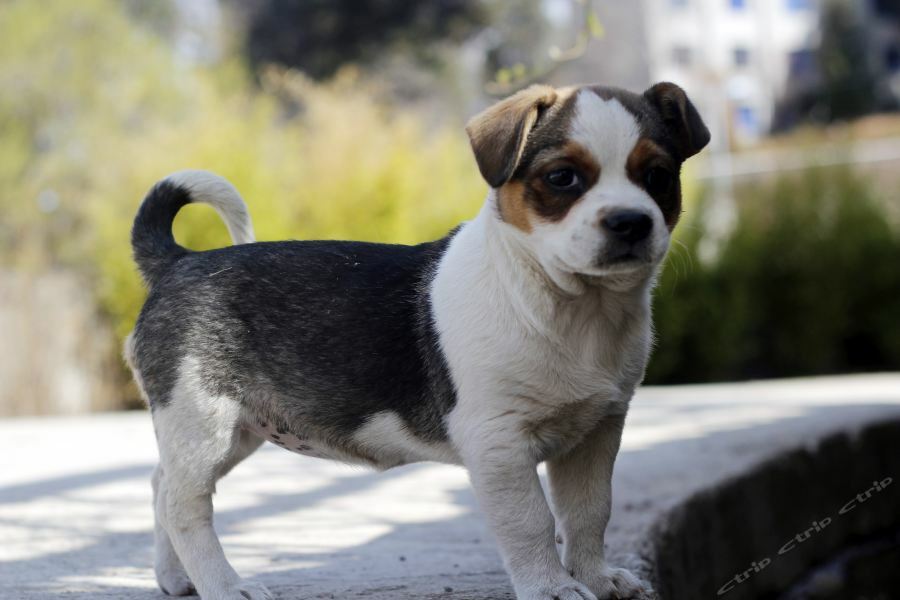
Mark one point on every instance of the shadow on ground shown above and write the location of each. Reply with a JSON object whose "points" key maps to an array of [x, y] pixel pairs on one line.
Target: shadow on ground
{"points": [[454, 558]]}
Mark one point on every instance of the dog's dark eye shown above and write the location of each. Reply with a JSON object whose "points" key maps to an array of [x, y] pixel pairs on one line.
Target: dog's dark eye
{"points": [[658, 180], [563, 179]]}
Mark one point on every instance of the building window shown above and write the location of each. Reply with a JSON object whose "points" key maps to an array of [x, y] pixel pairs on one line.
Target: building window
{"points": [[892, 59], [746, 119], [738, 4], [802, 63], [741, 57], [886, 8], [682, 56], [799, 5]]}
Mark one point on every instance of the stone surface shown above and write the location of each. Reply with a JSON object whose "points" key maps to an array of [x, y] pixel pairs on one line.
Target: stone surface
{"points": [[710, 477]]}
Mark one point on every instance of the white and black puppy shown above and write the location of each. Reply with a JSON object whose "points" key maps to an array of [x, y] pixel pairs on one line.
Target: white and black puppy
{"points": [[517, 339]]}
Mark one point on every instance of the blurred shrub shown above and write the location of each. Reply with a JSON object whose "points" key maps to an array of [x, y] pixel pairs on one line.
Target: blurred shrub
{"points": [[96, 109], [338, 32], [808, 282]]}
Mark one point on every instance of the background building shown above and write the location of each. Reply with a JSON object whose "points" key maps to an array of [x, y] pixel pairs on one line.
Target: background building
{"points": [[752, 66], [280, 97], [735, 55]]}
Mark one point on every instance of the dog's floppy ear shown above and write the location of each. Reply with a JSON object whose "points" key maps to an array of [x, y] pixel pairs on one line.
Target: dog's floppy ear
{"points": [[498, 134], [680, 117]]}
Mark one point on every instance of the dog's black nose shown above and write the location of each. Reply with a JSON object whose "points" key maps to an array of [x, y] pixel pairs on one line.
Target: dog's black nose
{"points": [[628, 225]]}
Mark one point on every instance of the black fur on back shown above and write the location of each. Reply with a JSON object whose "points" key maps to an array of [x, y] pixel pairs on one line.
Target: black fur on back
{"points": [[317, 335]]}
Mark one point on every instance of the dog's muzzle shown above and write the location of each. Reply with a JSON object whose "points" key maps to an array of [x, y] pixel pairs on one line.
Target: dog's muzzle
{"points": [[628, 235]]}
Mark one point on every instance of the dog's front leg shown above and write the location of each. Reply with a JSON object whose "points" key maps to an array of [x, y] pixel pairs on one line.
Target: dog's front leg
{"points": [[581, 485], [508, 489]]}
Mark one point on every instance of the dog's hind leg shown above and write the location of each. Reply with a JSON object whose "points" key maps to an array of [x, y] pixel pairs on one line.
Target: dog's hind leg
{"points": [[199, 440], [170, 573]]}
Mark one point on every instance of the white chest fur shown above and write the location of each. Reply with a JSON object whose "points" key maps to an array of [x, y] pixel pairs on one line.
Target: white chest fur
{"points": [[526, 356]]}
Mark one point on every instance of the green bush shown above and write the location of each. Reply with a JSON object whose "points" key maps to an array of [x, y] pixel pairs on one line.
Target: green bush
{"points": [[808, 282], [97, 108]]}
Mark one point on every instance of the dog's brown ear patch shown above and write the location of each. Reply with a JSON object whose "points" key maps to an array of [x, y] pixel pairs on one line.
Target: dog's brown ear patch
{"points": [[680, 118], [498, 134]]}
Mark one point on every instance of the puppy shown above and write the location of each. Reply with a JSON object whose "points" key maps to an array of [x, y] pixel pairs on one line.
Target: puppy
{"points": [[517, 339]]}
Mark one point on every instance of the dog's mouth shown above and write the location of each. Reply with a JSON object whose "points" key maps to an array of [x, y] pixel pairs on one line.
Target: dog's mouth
{"points": [[624, 257], [627, 265], [620, 269], [625, 261]]}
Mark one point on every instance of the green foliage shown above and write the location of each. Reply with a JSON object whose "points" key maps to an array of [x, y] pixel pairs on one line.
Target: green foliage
{"points": [[807, 283], [96, 109], [848, 81], [319, 37], [99, 109]]}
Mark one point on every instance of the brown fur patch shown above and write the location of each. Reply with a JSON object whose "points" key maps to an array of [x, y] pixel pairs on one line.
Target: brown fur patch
{"points": [[645, 156], [552, 204], [528, 197], [584, 160], [513, 207], [499, 134]]}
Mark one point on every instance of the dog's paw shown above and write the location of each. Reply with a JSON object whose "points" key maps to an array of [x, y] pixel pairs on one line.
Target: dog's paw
{"points": [[565, 589], [253, 591], [242, 590], [610, 583], [173, 580]]}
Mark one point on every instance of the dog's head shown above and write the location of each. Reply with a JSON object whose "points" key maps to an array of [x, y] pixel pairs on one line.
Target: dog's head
{"points": [[588, 177]]}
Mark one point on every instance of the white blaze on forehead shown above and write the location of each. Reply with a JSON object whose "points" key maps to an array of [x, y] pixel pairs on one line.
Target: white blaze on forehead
{"points": [[577, 243], [606, 129]]}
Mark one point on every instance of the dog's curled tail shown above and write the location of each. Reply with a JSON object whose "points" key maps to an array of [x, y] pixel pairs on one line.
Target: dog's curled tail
{"points": [[152, 241]]}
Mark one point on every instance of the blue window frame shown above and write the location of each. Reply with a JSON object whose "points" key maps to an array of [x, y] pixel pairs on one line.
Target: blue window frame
{"points": [[802, 62], [738, 4], [799, 5], [746, 119], [682, 56], [892, 59]]}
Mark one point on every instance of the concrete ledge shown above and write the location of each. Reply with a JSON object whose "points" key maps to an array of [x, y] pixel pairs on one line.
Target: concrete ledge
{"points": [[710, 479], [759, 534]]}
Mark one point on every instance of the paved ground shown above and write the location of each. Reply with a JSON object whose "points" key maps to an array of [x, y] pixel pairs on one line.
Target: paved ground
{"points": [[75, 518]]}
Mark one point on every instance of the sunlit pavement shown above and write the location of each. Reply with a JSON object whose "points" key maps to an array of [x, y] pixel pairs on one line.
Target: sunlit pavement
{"points": [[75, 516]]}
